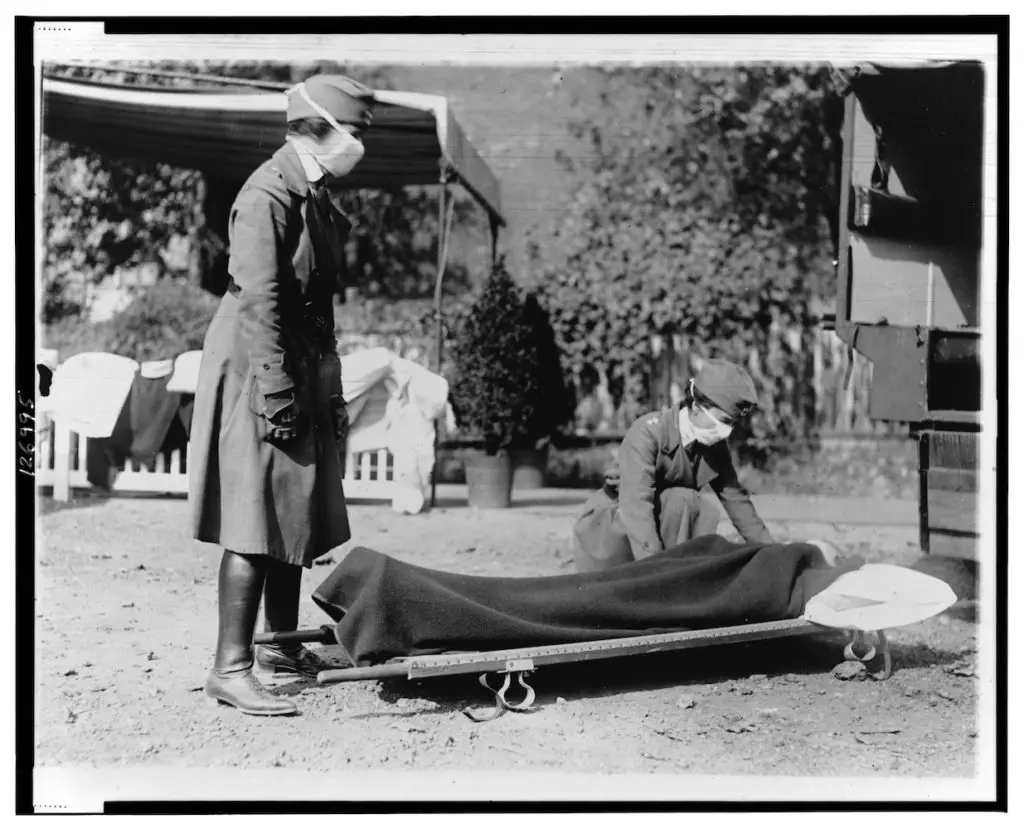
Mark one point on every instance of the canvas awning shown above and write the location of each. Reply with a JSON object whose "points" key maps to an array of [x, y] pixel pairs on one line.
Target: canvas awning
{"points": [[233, 132]]}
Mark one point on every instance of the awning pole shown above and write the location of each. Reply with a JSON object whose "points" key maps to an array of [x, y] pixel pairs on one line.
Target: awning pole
{"points": [[442, 255], [494, 238]]}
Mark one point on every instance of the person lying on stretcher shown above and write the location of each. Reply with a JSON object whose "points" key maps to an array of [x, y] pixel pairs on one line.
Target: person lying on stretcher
{"points": [[651, 500]]}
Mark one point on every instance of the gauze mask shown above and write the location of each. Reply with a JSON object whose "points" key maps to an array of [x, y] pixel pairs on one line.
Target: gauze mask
{"points": [[708, 435], [342, 151]]}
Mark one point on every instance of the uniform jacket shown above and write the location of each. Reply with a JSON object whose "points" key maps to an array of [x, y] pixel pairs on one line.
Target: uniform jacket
{"points": [[652, 458], [273, 332]]}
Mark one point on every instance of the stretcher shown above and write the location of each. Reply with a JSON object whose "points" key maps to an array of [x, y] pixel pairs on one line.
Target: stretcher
{"points": [[514, 665], [863, 603]]}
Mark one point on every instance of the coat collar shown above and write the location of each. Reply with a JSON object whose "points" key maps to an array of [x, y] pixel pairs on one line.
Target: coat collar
{"points": [[286, 161], [671, 441]]}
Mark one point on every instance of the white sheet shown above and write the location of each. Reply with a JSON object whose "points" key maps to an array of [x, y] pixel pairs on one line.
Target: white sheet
{"points": [[89, 390], [362, 370], [186, 373]]}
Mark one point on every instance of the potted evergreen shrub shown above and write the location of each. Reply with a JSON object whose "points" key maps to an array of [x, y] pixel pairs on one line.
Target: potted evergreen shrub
{"points": [[530, 456], [498, 390]]}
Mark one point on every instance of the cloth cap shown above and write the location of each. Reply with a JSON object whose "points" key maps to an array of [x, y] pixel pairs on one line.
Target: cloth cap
{"points": [[727, 386], [347, 101]]}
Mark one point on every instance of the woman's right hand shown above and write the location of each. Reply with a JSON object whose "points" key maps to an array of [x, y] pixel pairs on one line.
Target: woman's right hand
{"points": [[832, 554], [284, 420]]}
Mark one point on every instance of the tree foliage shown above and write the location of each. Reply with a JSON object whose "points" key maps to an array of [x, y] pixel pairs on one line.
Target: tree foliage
{"points": [[703, 210], [159, 323], [105, 216], [505, 389], [162, 322]]}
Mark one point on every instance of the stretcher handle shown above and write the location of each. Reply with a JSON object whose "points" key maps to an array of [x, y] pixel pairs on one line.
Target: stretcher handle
{"points": [[384, 671], [323, 634]]}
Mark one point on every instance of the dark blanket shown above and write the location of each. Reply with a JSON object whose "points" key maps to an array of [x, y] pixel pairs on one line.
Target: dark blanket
{"points": [[386, 608], [144, 422], [153, 421]]}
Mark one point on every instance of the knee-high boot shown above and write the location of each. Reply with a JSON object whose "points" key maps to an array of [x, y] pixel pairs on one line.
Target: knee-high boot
{"points": [[282, 592], [239, 587]]}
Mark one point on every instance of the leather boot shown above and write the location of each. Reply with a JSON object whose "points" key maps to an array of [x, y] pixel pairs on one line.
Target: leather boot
{"points": [[240, 584], [282, 592]]}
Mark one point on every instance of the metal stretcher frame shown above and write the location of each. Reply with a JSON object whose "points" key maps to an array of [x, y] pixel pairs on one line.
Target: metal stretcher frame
{"points": [[518, 663]]}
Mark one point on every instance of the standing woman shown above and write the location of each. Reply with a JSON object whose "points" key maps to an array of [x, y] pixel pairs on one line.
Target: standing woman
{"points": [[651, 500], [270, 424]]}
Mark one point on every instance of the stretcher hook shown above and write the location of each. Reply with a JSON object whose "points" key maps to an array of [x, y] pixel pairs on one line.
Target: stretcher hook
{"points": [[498, 692], [502, 692], [886, 671], [858, 639], [501, 703], [499, 700], [528, 700], [499, 707]]}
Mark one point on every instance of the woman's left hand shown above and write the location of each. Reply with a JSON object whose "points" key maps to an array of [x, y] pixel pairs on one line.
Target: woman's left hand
{"points": [[339, 413]]}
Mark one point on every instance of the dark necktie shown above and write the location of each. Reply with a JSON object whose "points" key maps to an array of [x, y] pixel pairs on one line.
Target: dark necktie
{"points": [[321, 199], [319, 224]]}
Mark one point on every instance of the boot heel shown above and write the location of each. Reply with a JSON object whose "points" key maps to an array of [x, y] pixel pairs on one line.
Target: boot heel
{"points": [[211, 702], [244, 692]]}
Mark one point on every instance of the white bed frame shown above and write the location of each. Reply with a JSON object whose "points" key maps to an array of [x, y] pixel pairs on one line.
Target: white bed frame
{"points": [[369, 474]]}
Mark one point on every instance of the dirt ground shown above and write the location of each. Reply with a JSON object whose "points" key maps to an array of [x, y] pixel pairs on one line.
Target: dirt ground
{"points": [[125, 628]]}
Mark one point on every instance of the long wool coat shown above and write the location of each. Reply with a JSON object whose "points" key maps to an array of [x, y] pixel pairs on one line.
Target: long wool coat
{"points": [[274, 331], [623, 518]]}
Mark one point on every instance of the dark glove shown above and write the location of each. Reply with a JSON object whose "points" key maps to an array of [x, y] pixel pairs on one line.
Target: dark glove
{"points": [[339, 413], [283, 418]]}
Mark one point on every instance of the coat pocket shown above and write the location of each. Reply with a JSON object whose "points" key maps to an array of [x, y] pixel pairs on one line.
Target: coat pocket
{"points": [[299, 396], [257, 407]]}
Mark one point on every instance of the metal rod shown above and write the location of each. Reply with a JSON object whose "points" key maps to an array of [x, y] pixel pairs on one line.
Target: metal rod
{"points": [[323, 634], [439, 275], [430, 666], [359, 674], [923, 464], [495, 227], [442, 253], [168, 73]]}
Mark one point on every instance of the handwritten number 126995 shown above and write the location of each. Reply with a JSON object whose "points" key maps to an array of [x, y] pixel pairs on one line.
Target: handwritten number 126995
{"points": [[26, 435]]}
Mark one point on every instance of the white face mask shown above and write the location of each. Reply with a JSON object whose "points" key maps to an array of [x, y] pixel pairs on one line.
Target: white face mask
{"points": [[709, 435], [339, 153], [342, 153]]}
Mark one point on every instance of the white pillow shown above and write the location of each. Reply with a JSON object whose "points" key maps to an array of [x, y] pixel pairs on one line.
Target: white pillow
{"points": [[879, 596]]}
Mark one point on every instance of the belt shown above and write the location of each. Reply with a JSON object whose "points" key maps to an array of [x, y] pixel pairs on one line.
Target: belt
{"points": [[319, 323]]}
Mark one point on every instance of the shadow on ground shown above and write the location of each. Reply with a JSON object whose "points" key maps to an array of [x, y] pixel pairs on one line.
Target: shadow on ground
{"points": [[518, 502], [96, 498], [48, 506], [567, 500], [965, 611], [789, 660]]}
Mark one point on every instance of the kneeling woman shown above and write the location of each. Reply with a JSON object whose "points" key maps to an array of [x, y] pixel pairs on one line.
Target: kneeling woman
{"points": [[651, 499]]}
